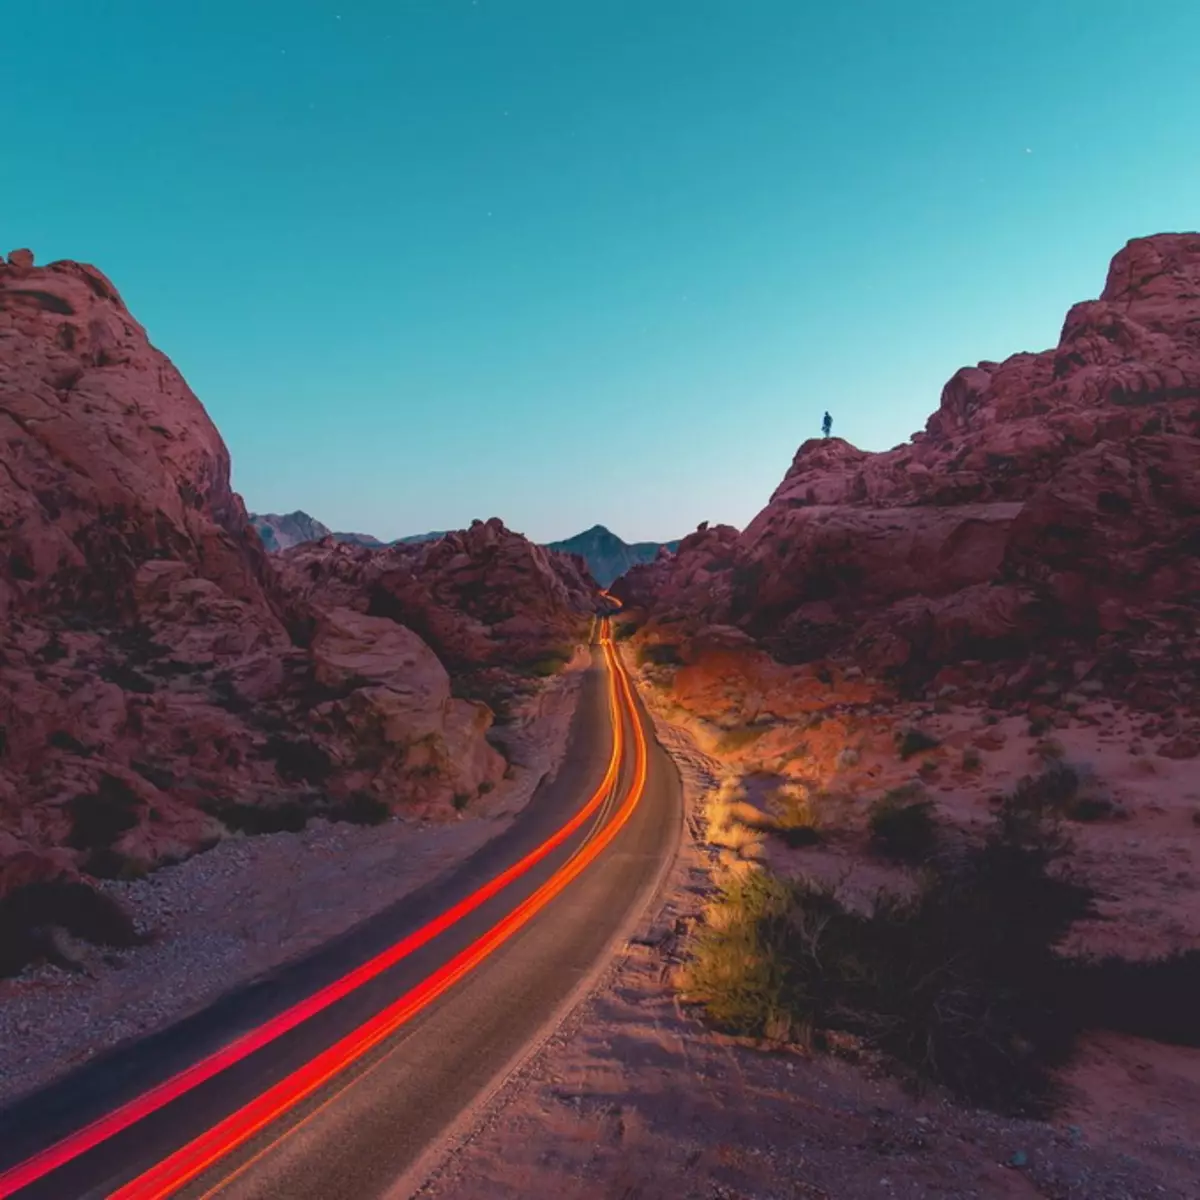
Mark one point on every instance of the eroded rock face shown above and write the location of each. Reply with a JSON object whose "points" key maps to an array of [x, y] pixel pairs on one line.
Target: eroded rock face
{"points": [[1050, 505], [481, 597], [157, 682]]}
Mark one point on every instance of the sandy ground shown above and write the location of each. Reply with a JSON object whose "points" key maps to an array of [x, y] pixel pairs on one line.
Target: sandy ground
{"points": [[251, 903], [633, 1099]]}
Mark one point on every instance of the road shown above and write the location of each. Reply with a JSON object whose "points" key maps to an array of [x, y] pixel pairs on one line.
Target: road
{"points": [[334, 1076]]}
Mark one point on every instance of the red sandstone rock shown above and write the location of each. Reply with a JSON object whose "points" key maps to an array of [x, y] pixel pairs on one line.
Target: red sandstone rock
{"points": [[1052, 499], [481, 597], [149, 686]]}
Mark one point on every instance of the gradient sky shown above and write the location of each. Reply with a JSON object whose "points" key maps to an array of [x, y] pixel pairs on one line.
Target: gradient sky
{"points": [[567, 262]]}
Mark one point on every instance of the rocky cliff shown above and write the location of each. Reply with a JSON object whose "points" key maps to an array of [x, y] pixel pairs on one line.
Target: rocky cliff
{"points": [[1049, 511], [159, 684]]}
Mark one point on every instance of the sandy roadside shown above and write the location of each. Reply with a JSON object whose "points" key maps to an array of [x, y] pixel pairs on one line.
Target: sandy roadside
{"points": [[633, 1099], [252, 903]]}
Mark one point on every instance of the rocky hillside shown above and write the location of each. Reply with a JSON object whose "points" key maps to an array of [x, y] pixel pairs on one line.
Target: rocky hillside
{"points": [[160, 685], [491, 603], [606, 555], [1049, 516]]}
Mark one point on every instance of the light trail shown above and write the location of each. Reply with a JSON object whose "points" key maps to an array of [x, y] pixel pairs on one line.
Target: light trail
{"points": [[203, 1152], [126, 1115]]}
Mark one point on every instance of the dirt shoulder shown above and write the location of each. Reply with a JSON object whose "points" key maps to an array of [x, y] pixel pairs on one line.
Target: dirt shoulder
{"points": [[634, 1098], [252, 903]]}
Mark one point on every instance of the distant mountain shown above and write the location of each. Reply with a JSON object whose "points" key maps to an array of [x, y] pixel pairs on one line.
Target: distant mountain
{"points": [[282, 532], [607, 556], [278, 532]]}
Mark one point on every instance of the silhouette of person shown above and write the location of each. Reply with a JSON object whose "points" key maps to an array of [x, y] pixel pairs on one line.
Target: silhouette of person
{"points": [[826, 425]]}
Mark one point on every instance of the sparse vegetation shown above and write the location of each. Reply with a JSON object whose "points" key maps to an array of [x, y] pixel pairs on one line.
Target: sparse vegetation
{"points": [[30, 912], [288, 816], [958, 985], [739, 738], [902, 824], [914, 741], [298, 760], [361, 808], [659, 654], [98, 818], [972, 760], [1064, 791], [460, 801]]}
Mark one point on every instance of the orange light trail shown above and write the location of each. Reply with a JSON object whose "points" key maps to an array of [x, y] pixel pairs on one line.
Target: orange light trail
{"points": [[203, 1152], [128, 1114]]}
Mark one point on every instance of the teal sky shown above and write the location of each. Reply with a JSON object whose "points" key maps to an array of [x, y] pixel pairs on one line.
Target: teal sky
{"points": [[568, 263]]}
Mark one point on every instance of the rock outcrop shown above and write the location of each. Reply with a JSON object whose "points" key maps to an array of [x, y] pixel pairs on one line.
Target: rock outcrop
{"points": [[1051, 507], [158, 683], [482, 597]]}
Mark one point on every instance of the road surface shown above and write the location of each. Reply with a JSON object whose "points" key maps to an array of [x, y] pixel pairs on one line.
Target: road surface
{"points": [[331, 1077]]}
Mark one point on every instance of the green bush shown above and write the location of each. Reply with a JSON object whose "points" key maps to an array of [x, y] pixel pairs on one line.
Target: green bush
{"points": [[959, 985], [902, 824], [361, 808], [659, 654], [914, 741]]}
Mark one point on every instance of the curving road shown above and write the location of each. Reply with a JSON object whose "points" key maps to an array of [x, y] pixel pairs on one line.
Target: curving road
{"points": [[333, 1076]]}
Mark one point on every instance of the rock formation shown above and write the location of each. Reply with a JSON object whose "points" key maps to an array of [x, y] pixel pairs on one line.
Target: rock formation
{"points": [[483, 598], [158, 683], [1051, 508]]}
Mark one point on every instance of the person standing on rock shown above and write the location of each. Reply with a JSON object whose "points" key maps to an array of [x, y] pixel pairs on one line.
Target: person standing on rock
{"points": [[826, 425]]}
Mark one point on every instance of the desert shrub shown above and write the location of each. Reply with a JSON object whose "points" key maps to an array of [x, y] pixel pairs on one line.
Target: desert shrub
{"points": [[902, 824], [486, 786], [1038, 726], [972, 760], [914, 741], [659, 654], [361, 808], [928, 769], [107, 863], [60, 739], [739, 738], [98, 818], [126, 677], [53, 650], [27, 913], [552, 664], [1062, 790], [959, 985], [624, 630], [288, 816], [298, 760], [797, 824], [460, 801]]}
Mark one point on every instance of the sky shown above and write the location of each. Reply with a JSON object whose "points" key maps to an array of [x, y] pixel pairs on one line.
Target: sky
{"points": [[570, 262]]}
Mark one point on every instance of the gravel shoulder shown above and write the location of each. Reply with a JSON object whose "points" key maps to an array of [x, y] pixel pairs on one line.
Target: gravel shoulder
{"points": [[249, 905]]}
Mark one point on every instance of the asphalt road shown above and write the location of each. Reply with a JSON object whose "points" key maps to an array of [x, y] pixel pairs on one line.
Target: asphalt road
{"points": [[363, 1126]]}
